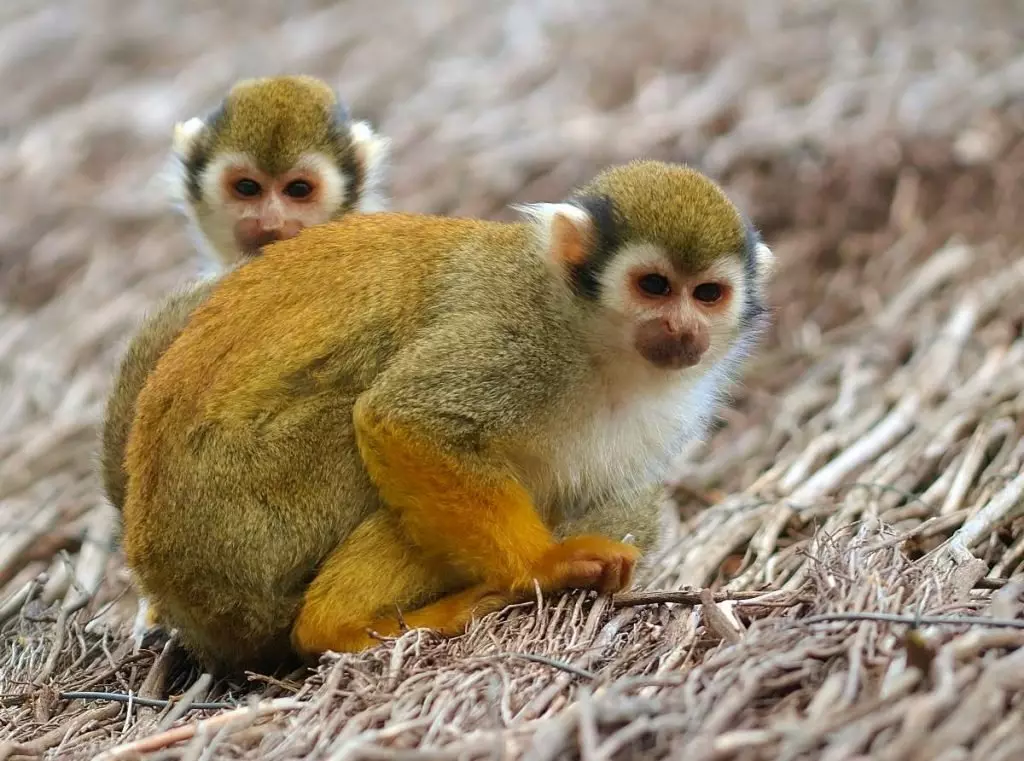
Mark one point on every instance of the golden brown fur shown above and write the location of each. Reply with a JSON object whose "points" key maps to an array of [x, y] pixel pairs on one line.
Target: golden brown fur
{"points": [[376, 413], [151, 340], [290, 127]]}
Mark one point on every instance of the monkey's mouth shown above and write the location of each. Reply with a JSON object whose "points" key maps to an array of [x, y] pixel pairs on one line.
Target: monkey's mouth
{"points": [[669, 351], [252, 245], [672, 356]]}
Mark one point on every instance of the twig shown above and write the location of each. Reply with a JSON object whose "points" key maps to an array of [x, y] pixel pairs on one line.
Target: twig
{"points": [[181, 705], [557, 664], [716, 620], [187, 731], [999, 509], [121, 697], [685, 597], [60, 631], [55, 736], [882, 436], [897, 618]]}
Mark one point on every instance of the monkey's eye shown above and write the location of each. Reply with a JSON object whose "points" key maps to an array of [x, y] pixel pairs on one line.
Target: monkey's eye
{"points": [[654, 284], [708, 293], [298, 189], [247, 188]]}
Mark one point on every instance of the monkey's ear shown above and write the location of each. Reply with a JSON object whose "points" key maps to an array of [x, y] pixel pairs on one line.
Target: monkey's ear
{"points": [[764, 260], [373, 149], [186, 134], [374, 153], [567, 232]]}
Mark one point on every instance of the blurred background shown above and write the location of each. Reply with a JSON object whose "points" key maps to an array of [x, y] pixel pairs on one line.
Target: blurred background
{"points": [[860, 135]]}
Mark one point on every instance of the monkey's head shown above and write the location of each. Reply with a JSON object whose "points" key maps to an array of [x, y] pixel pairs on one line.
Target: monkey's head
{"points": [[277, 155], [664, 267]]}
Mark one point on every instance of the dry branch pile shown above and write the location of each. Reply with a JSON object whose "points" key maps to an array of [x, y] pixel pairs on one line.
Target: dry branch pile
{"points": [[871, 464]]}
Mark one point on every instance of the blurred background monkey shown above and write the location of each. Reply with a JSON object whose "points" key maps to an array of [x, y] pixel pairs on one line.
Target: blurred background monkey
{"points": [[278, 154]]}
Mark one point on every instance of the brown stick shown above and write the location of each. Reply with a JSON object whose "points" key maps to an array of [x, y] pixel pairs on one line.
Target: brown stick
{"points": [[1014, 623], [686, 597], [188, 731]]}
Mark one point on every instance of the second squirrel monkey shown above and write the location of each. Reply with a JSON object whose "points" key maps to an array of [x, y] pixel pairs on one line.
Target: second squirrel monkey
{"points": [[277, 155], [287, 135], [410, 413]]}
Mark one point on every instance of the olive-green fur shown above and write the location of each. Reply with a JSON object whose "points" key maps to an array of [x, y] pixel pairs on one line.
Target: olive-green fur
{"points": [[154, 336], [275, 120], [675, 208], [303, 121]]}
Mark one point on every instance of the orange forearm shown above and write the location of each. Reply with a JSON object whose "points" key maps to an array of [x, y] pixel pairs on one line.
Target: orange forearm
{"points": [[484, 525]]}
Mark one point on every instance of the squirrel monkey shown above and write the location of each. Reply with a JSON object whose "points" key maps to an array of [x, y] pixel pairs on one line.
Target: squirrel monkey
{"points": [[285, 136], [399, 418], [278, 154]]}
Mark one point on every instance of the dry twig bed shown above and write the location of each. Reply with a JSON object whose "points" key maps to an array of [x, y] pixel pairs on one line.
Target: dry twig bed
{"points": [[842, 574]]}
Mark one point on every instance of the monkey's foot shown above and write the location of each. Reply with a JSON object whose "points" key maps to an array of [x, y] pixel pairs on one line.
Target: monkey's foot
{"points": [[147, 622], [587, 562], [449, 617]]}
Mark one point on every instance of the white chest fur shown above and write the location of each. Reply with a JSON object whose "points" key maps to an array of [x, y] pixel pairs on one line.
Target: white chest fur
{"points": [[614, 445]]}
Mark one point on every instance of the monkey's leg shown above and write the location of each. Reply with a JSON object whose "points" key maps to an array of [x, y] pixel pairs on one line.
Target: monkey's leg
{"points": [[479, 519], [368, 583]]}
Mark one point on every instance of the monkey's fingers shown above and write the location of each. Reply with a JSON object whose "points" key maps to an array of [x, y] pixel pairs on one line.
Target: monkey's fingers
{"points": [[588, 562]]}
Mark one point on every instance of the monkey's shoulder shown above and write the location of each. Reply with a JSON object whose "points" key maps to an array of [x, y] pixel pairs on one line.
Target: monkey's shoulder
{"points": [[382, 238]]}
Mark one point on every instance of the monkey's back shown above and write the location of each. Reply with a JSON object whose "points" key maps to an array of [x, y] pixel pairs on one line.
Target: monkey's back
{"points": [[243, 470]]}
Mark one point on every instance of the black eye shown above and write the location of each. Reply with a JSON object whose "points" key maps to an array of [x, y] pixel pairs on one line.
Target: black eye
{"points": [[655, 285], [247, 188], [298, 189], [709, 293]]}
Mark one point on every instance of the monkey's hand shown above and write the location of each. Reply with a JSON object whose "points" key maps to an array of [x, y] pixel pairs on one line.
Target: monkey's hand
{"points": [[637, 516]]}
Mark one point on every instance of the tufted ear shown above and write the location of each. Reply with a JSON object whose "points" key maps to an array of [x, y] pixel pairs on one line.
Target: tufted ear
{"points": [[186, 134], [566, 231], [374, 153], [764, 260]]}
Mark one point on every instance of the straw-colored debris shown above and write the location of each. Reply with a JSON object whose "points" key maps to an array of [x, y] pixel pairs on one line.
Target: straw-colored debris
{"points": [[844, 560]]}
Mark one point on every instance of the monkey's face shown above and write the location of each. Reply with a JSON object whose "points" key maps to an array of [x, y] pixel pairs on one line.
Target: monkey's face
{"points": [[675, 270], [250, 208], [278, 154], [671, 318]]}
